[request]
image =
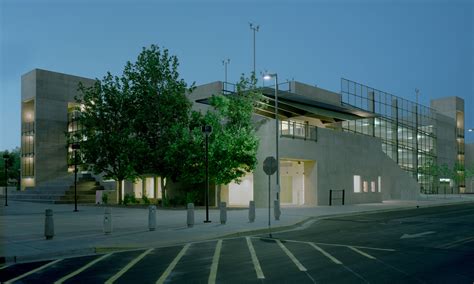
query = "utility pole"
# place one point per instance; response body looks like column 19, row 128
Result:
column 254, row 28
column 417, row 92
column 225, row 62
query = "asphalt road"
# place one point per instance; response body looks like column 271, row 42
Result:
column 431, row 245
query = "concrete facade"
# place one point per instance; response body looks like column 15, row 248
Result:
column 45, row 97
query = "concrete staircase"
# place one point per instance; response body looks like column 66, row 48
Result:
column 60, row 191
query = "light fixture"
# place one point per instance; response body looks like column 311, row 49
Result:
column 470, row 129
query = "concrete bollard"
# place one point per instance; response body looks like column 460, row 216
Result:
column 107, row 221
column 277, row 212
column 49, row 224
column 152, row 217
column 223, row 212
column 251, row 211
column 190, row 215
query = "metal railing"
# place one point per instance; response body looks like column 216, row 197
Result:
column 298, row 130
column 337, row 195
column 460, row 132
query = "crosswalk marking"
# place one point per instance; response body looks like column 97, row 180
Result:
column 335, row 260
column 70, row 275
column 291, row 256
column 172, row 265
column 127, row 267
column 361, row 252
column 33, row 271
column 255, row 261
column 332, row 245
column 215, row 263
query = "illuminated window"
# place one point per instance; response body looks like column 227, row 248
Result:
column 372, row 186
column 380, row 184
column 366, row 186
column 356, row 183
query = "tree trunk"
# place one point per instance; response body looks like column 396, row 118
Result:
column 163, row 191
column 119, row 194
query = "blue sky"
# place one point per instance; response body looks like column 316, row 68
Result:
column 395, row 46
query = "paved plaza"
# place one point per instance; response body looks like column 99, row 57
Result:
column 81, row 233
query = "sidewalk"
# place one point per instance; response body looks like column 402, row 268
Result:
column 76, row 233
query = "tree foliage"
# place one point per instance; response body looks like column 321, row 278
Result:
column 13, row 165
column 162, row 112
column 233, row 143
column 108, row 140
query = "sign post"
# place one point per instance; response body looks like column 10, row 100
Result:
column 269, row 167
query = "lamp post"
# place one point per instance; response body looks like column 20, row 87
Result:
column 207, row 130
column 75, row 147
column 6, row 159
column 268, row 77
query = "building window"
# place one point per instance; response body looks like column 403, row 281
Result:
column 366, row 186
column 380, row 184
column 372, row 186
column 356, row 183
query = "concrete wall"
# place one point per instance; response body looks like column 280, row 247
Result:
column 313, row 92
column 331, row 163
column 446, row 140
column 51, row 92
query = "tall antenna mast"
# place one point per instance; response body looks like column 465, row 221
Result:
column 225, row 62
column 255, row 29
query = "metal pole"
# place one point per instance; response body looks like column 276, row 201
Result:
column 6, row 182
column 254, row 29
column 269, row 209
column 207, row 179
column 276, row 139
column 75, row 180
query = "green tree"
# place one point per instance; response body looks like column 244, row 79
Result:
column 13, row 165
column 108, row 140
column 161, row 112
column 233, row 143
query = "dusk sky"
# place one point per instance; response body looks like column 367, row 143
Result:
column 394, row 46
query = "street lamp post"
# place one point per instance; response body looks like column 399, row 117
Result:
column 6, row 159
column 268, row 77
column 207, row 130
column 75, row 147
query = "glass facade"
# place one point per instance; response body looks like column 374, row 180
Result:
column 407, row 129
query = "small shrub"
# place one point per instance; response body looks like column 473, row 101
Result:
column 105, row 198
column 127, row 199
column 191, row 197
column 146, row 200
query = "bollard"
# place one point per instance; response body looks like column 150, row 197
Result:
column 190, row 215
column 223, row 212
column 251, row 211
column 152, row 217
column 277, row 212
column 49, row 224
column 107, row 221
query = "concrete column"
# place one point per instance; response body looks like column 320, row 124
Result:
column 108, row 221
column 152, row 217
column 371, row 108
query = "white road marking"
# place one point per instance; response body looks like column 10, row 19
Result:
column 291, row 256
column 215, row 263
column 172, row 265
column 127, row 267
column 336, row 245
column 412, row 236
column 255, row 261
column 335, row 260
column 361, row 252
column 33, row 271
column 70, row 275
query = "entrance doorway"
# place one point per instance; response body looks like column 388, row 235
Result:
column 292, row 182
